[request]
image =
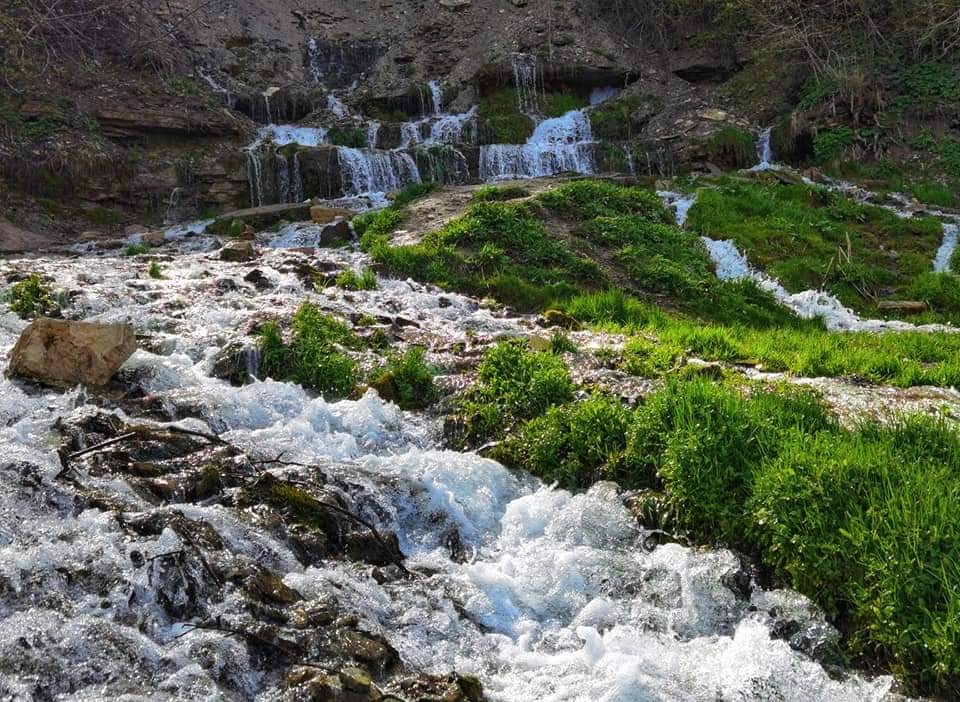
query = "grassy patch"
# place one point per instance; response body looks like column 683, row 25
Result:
column 353, row 137
column 613, row 120
column 803, row 348
column 493, row 193
column 351, row 280
column 731, row 147
column 810, row 238
column 406, row 380
column 135, row 250
column 155, row 270
column 313, row 357
column 502, row 250
column 499, row 120
column 31, row 297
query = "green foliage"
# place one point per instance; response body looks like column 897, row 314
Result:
column 830, row 143
column 613, row 120
column 499, row 121
column 313, row 358
column 353, row 137
column 731, row 147
column 554, row 104
column 929, row 85
column 583, row 200
column 135, row 250
column 939, row 290
column 407, row 380
column 493, row 193
column 155, row 270
column 349, row 279
column 574, row 444
column 810, row 238
column 514, row 384
column 495, row 249
column 410, row 193
column 31, row 297
column 815, row 91
column 561, row 343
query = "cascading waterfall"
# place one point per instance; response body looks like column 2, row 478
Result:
column 255, row 177
column 528, row 82
column 436, row 97
column 941, row 264
column 367, row 171
column 373, row 132
column 764, row 151
column 557, row 145
column 296, row 187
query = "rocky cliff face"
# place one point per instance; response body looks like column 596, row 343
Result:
column 101, row 142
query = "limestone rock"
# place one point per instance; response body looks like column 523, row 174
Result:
column 324, row 215
column 238, row 251
column 64, row 353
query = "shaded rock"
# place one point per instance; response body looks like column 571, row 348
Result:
column 336, row 234
column 556, row 318
column 64, row 353
column 455, row 4
column 238, row 251
column 904, row 306
column 257, row 278
column 365, row 546
column 237, row 364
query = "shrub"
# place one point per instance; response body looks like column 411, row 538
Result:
column 407, row 380
column 492, row 193
column 136, row 250
column 574, row 444
column 312, row 358
column 353, row 137
column 349, row 279
column 31, row 297
column 155, row 271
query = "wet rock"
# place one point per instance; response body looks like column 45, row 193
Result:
column 375, row 549
column 258, row 280
column 238, row 252
column 238, row 364
column 63, row 353
column 336, row 234
column 313, row 615
column 439, row 688
column 267, row 587
column 365, row 648
column 556, row 318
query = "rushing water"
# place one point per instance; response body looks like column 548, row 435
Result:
column 941, row 264
column 558, row 597
column 557, row 145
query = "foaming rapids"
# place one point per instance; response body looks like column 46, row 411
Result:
column 549, row 596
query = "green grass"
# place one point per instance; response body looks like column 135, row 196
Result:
column 407, row 380
column 500, row 250
column 31, row 297
column 809, row 238
column 155, row 270
column 313, row 357
column 613, row 120
column 804, row 348
column 351, row 280
column 731, row 147
column 493, row 193
column 513, row 384
column 353, row 137
column 135, row 250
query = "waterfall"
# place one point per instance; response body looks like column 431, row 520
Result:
column 255, row 177
column 365, row 171
column 631, row 163
column 283, row 178
column 373, row 131
column 336, row 106
column 296, row 187
column 764, row 151
column 528, row 81
column 410, row 134
column 941, row 264
column 436, row 96
column 557, row 145
column 283, row 134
